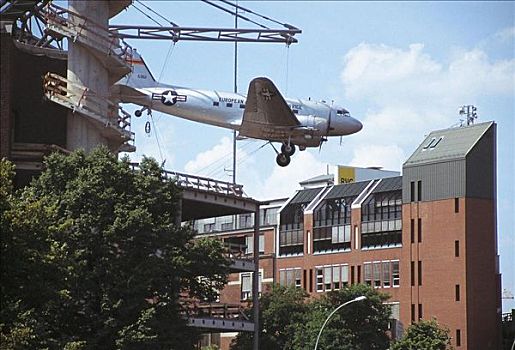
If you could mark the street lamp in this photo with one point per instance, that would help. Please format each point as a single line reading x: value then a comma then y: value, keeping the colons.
x: 360, y: 298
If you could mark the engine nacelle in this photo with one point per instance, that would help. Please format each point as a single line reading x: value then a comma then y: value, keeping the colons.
x: 306, y: 140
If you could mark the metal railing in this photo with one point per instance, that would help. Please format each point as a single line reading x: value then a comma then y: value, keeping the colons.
x: 201, y: 183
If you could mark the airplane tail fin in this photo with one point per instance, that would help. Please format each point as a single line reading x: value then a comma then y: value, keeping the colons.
x: 140, y: 76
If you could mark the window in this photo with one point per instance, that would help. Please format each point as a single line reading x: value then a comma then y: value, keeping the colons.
x: 412, y: 312
x: 242, y: 105
x: 456, y: 205
x: 457, y: 292
x: 209, y: 227
x: 216, y: 103
x: 458, y: 337
x: 456, y: 248
x: 340, y: 234
x: 419, y: 230
x: 291, y: 242
x: 245, y: 220
x: 228, y: 104
x: 290, y: 277
x: 419, y: 190
x: 377, y: 274
x: 246, y: 285
x: 345, y: 275
x: 420, y: 311
x: 352, y: 274
x: 395, y: 273
x: 367, y: 274
x: 386, y: 274
x: 336, y: 277
x: 412, y: 191
x: 412, y: 230
x: 381, y: 220
x: 412, y: 273
x: 295, y: 111
x: 327, y: 278
x: 320, y: 280
x: 359, y: 274
x: 249, y: 241
x: 420, y: 273
x: 227, y: 226
x: 332, y: 277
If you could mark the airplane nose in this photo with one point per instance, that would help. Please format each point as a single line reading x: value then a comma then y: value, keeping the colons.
x: 356, y: 125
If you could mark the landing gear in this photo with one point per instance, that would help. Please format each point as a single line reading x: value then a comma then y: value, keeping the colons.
x: 283, y: 159
x: 288, y: 149
x: 139, y: 112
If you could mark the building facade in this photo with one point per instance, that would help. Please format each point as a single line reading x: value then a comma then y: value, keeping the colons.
x: 427, y: 238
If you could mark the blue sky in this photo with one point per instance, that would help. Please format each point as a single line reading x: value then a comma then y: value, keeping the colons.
x: 402, y: 68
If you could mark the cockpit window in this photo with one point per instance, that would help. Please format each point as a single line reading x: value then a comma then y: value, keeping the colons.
x: 343, y: 112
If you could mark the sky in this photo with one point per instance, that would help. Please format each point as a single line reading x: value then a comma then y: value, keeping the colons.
x: 402, y: 68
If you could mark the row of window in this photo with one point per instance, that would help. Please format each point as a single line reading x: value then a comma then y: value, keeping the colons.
x: 332, y: 277
x: 334, y: 212
x: 383, y: 274
x: 290, y: 277
x: 227, y: 104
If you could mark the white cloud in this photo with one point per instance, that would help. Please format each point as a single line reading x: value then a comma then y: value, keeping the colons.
x: 409, y: 94
x: 213, y: 161
x: 283, y: 181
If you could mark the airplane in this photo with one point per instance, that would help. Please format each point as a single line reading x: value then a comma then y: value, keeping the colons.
x: 262, y: 114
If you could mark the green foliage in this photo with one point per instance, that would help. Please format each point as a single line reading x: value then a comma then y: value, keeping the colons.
x: 92, y: 257
x: 428, y: 335
x: 280, y: 312
x: 288, y: 320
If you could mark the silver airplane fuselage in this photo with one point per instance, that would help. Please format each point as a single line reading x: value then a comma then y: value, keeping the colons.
x: 318, y: 119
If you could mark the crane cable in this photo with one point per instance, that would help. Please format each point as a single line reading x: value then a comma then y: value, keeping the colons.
x: 235, y: 14
x: 157, y: 13
x: 255, y: 13
x: 220, y: 162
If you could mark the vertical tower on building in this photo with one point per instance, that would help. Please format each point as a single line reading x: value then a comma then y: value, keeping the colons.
x: 449, y: 238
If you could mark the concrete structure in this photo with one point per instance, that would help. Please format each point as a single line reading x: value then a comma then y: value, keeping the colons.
x: 428, y: 238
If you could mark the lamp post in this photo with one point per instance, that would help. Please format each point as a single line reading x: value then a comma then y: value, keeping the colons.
x: 360, y: 298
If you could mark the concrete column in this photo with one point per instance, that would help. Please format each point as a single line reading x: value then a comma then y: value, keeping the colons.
x: 85, y: 69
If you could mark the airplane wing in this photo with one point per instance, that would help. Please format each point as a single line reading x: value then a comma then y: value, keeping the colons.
x: 267, y: 115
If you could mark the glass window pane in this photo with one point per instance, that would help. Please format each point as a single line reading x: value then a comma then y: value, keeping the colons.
x: 327, y: 274
x: 345, y: 273
x: 334, y: 235
x: 346, y: 233
x: 336, y: 273
x: 386, y: 274
x: 246, y: 283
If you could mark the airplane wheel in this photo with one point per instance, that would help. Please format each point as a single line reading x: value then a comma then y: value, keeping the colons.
x: 138, y: 113
x: 288, y: 149
x: 283, y: 159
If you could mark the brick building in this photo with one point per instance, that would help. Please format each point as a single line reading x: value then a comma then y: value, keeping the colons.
x: 427, y: 238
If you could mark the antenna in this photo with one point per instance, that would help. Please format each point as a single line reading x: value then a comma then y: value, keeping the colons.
x: 470, y: 112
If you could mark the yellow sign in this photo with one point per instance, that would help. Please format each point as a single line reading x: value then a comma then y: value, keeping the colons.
x: 346, y: 174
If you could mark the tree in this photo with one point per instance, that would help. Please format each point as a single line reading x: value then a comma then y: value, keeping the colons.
x: 360, y: 325
x: 425, y: 334
x: 92, y: 258
x: 280, y: 311
x: 289, y: 320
